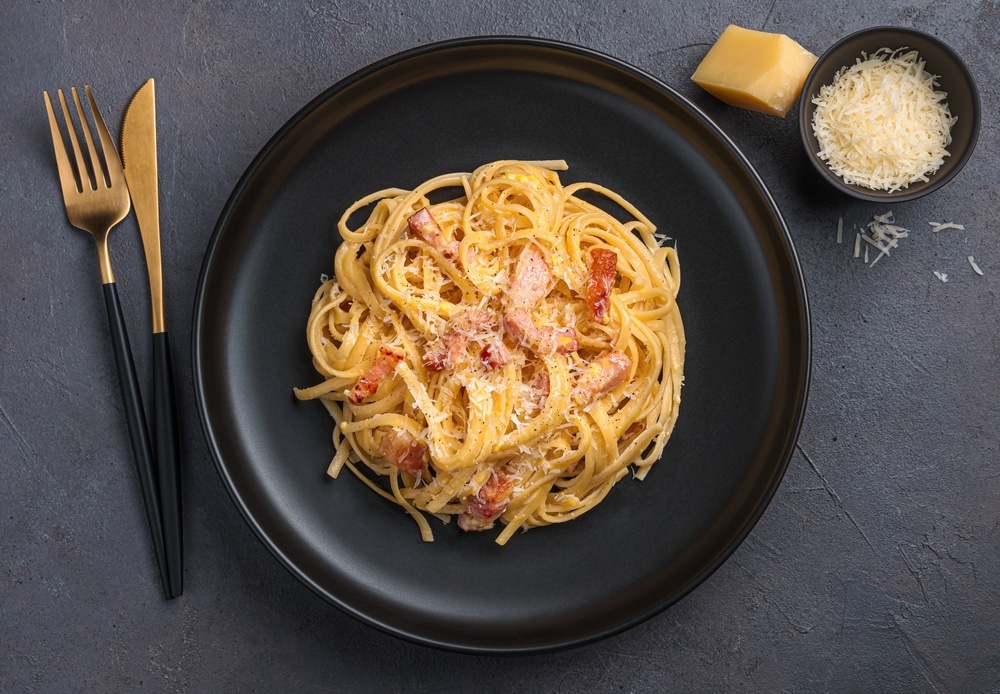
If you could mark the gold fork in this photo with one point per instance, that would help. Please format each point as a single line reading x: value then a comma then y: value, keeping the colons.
x: 96, y: 199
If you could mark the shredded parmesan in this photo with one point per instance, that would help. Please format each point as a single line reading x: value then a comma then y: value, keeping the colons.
x: 883, y: 235
x: 882, y: 124
x: 941, y: 226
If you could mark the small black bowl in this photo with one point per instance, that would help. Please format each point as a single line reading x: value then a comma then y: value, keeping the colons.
x: 954, y: 79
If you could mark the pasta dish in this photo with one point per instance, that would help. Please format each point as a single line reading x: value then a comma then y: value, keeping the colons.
x: 496, y: 347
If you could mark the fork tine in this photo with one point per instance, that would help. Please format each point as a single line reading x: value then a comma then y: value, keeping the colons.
x: 112, y: 162
x: 95, y: 167
x: 67, y: 175
x: 82, y: 168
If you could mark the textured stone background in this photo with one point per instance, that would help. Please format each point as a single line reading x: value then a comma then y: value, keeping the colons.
x: 875, y: 568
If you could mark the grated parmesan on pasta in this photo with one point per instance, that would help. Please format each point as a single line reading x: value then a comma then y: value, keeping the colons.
x: 882, y: 123
x: 463, y: 353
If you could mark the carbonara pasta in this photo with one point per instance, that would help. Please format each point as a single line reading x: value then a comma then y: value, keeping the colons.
x: 507, y: 354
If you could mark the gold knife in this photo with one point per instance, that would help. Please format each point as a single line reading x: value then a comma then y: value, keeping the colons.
x: 138, y: 151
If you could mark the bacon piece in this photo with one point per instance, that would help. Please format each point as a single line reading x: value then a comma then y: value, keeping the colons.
x: 551, y: 339
x: 383, y: 365
x: 539, y: 385
x: 530, y: 284
x: 518, y: 324
x: 399, y: 448
x: 444, y: 353
x: 531, y: 281
x: 467, y: 324
x: 423, y: 225
x: 494, y: 355
x: 540, y: 382
x: 471, y: 322
x: 545, y: 340
x: 603, y: 263
x: 628, y: 436
x: 486, y: 506
x: 602, y: 375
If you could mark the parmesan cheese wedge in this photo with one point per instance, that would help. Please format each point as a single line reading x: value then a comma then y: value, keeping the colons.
x: 755, y: 70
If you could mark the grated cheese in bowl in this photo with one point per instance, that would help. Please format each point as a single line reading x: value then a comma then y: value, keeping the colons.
x: 882, y: 123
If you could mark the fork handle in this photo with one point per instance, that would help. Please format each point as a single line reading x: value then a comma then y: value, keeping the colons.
x: 167, y: 459
x: 142, y: 451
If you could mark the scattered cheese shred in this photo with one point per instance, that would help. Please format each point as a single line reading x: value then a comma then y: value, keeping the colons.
x: 840, y: 230
x: 941, y: 226
x: 883, y: 236
x: 882, y: 124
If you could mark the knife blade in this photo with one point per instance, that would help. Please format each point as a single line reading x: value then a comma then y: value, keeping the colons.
x: 138, y: 151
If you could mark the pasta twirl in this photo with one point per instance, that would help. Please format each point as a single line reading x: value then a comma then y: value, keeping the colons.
x: 508, y: 354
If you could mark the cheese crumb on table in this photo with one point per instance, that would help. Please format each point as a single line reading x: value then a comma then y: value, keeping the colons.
x: 941, y: 226
x: 883, y: 235
x: 755, y: 70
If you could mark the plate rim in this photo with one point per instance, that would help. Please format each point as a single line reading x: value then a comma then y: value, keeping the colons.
x: 790, y: 431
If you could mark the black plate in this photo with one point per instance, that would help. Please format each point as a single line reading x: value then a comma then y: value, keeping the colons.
x: 450, y: 107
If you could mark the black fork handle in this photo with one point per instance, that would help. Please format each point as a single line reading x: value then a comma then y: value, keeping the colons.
x: 167, y: 465
x: 138, y: 433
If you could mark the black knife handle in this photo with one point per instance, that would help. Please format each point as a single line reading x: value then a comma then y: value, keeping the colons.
x: 167, y: 460
x: 142, y: 451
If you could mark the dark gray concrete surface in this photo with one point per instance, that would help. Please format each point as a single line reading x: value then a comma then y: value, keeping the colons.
x: 875, y: 568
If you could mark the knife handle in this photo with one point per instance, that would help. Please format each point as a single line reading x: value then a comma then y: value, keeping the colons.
x: 138, y: 433
x: 167, y: 459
